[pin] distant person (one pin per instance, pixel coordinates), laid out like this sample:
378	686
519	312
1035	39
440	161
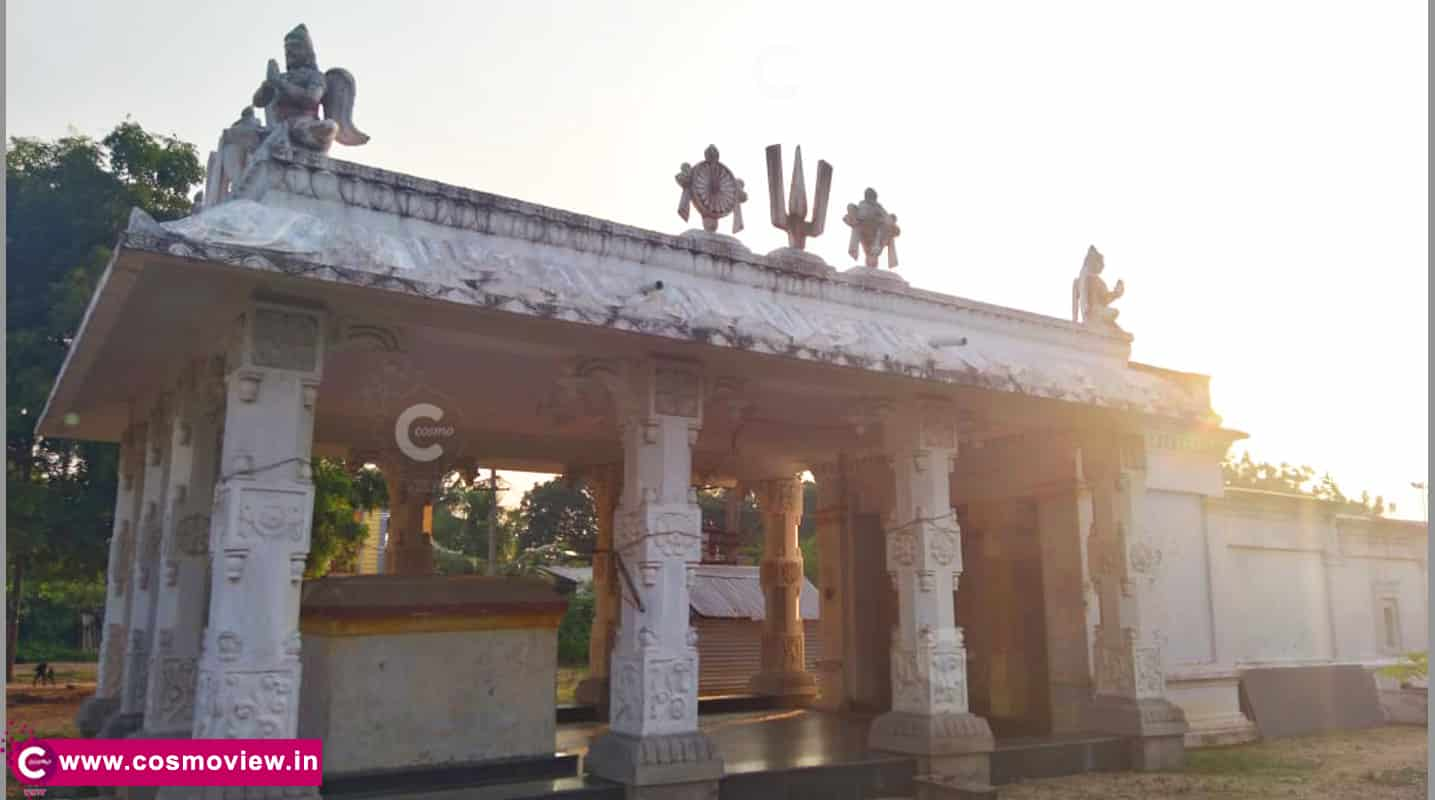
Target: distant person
44	673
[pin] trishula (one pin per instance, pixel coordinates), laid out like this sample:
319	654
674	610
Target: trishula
791	216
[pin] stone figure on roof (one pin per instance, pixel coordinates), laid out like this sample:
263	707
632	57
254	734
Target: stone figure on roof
1090	298
713	188
292	99
873	229
236	146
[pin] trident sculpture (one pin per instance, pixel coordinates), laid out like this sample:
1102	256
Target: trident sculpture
791	215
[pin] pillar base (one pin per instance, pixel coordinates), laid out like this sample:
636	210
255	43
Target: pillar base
1156	727
792	689
592	692
678	764
93	713
121	726
956	745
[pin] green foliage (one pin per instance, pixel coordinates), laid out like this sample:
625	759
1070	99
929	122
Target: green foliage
336	536
1246	473
573	631
560	513
460	521
65	202
33	649
1412	667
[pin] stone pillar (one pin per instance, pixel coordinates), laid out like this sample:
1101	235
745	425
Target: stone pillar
831	543
249	669
1063	515
929	716
144	579
653	744
409	550
784	664
105	702
606	485
1130	697
182	604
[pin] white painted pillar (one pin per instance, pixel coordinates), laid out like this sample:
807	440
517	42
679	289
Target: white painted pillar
605	483
144	578
784	664
105	702
182	604
1130	678
930	716
249	670
653	705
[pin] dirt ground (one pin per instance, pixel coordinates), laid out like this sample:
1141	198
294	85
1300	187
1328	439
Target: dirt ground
1382	764
49	711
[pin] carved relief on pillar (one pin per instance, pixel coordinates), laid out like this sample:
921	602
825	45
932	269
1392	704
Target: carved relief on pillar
1115	662
654	693
260	704
677	392
938	425
150	538
137	673
781	572
783	652
931	677
113	669
269	514
285	340
121	576
673	531
191	536
177	686
1150	672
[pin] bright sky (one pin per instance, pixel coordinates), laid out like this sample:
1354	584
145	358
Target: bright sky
1255	172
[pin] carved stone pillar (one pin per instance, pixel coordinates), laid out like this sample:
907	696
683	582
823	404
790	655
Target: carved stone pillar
1130	695
831	525
653	741
249	671
105	702
606	485
784	664
145	578
930	716
182	604
409	550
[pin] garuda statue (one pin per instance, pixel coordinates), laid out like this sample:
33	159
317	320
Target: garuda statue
292	98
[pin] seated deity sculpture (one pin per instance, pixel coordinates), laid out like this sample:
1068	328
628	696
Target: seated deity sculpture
1090	298
292	99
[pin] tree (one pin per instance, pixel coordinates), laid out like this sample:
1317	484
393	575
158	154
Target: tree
460	521
558	513
1247	473
335	535
65	202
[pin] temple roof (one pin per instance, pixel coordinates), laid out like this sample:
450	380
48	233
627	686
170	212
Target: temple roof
300	215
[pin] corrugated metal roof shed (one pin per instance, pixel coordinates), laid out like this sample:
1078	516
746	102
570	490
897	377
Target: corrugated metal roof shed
722	591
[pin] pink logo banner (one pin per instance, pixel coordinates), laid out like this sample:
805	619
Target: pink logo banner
167	762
